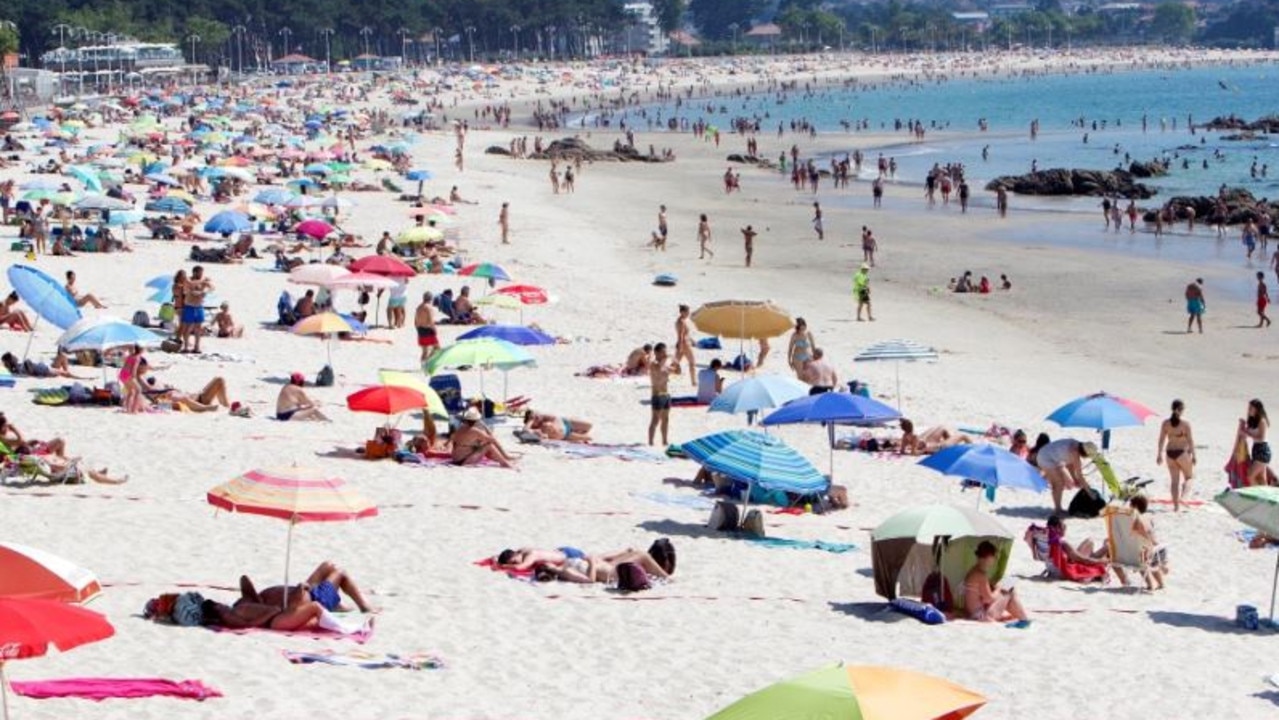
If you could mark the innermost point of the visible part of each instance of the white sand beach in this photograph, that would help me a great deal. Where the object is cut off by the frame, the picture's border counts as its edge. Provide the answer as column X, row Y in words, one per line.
column 737, row 615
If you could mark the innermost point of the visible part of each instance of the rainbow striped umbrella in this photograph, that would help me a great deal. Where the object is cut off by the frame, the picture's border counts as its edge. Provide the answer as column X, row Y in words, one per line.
column 296, row 494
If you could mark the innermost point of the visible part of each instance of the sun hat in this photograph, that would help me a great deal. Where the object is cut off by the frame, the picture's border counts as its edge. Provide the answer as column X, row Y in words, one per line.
column 471, row 415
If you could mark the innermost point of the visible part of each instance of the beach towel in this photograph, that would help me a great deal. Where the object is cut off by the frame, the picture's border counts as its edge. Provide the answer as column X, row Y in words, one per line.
column 622, row 452
column 491, row 564
column 366, row 660
column 360, row 633
column 114, row 688
column 830, row 547
column 1237, row 465
column 1247, row 535
column 693, row 502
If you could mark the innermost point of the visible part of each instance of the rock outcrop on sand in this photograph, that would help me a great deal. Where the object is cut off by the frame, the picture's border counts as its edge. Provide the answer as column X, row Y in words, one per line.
column 1064, row 181
column 1234, row 206
column 573, row 148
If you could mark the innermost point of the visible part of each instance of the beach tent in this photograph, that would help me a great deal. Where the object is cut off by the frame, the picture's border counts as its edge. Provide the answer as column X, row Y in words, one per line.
column 909, row 546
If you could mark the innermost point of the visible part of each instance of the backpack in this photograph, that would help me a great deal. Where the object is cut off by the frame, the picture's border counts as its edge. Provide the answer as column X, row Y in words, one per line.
column 937, row 592
column 632, row 578
column 663, row 552
column 753, row 524
column 1087, row 503
column 142, row 319
column 724, row 516
column 325, row 378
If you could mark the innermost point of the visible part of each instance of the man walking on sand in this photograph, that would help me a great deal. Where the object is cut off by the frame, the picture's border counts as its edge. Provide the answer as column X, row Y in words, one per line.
column 817, row 221
column 424, row 321
column 504, row 222
column 659, row 374
column 684, row 343
column 1263, row 300
column 861, row 290
column 748, row 235
column 1195, row 305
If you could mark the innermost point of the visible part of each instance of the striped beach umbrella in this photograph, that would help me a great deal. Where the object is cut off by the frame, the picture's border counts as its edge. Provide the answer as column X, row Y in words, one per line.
column 757, row 459
column 295, row 494
column 1258, row 508
column 492, row 271
column 896, row 351
column 27, row 572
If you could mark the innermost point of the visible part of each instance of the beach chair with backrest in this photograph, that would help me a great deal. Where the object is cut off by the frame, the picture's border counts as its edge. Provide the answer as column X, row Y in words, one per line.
column 1127, row 548
column 449, row 388
column 1037, row 538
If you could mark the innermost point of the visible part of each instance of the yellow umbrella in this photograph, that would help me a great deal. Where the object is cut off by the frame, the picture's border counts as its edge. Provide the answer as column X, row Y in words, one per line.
column 742, row 319
column 325, row 323
column 182, row 195
column 419, row 234
column 413, row 381
column 378, row 164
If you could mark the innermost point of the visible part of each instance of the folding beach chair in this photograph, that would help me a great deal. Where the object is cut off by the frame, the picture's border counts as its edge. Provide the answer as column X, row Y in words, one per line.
column 1116, row 490
column 449, row 388
column 1127, row 549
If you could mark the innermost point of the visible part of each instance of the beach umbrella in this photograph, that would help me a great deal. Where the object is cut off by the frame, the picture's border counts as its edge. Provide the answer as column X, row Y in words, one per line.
column 415, row 381
column 419, row 234
column 171, row 205
column 896, row 351
column 1103, row 412
column 1258, row 508
column 485, row 270
column 86, row 175
column 352, row 281
column 742, row 319
column 502, row 302
column 527, row 294
column 301, row 202
column 28, row 627
column 481, row 353
column 336, row 202
column 759, row 392
column 26, row 572
column 100, row 202
column 163, row 179
column 990, row 465
column 757, row 459
column 420, row 176
column 228, row 222
column 273, row 196
column 383, row 265
column 909, row 546
column 857, row 692
column 295, row 494
column 317, row 274
column 325, row 323
column 518, row 334
column 46, row 296
column 317, row 229
column 386, row 400
column 831, row 409
column 105, row 332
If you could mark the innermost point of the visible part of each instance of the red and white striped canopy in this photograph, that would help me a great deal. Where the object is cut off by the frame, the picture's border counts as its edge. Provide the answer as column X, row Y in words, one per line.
column 27, row 572
column 297, row 494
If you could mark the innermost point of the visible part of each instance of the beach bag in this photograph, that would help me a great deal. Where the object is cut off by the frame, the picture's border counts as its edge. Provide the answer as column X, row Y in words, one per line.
column 937, row 592
column 724, row 516
column 663, row 552
column 170, row 345
column 1087, row 503
column 709, row 343
column 325, row 377
column 632, row 578
column 753, row 524
column 142, row 319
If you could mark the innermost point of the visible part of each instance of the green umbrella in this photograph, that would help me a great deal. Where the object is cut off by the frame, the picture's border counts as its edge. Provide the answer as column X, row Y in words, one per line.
column 1257, row 507
column 857, row 692
column 913, row 544
column 482, row 353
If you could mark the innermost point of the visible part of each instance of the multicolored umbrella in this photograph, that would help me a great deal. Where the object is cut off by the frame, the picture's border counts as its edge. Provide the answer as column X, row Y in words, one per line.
column 414, row 381
column 325, row 323
column 294, row 494
column 989, row 465
column 485, row 270
column 1258, row 508
column 1101, row 411
column 518, row 334
column 757, row 460
column 26, row 572
column 28, row 627
column 857, row 692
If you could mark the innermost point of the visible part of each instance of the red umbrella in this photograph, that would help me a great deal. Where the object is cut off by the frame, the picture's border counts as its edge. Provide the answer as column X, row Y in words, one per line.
column 383, row 265
column 386, row 400
column 29, row 627
column 528, row 294
column 317, row 229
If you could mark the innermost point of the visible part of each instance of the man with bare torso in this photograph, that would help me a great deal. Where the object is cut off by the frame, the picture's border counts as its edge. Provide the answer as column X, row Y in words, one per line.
column 684, row 343
column 659, row 374
column 424, row 321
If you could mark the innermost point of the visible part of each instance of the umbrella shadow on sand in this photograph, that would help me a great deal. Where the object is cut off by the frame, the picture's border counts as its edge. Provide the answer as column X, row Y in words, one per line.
column 1025, row 512
column 1271, row 695
column 1207, row 623
column 682, row 529
column 879, row 612
column 683, row 483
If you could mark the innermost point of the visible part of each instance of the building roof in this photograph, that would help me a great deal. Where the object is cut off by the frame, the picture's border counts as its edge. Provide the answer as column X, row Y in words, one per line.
column 293, row 59
column 681, row 37
column 764, row 30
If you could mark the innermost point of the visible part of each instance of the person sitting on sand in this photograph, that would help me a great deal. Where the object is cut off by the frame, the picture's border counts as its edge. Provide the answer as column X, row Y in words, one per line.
column 225, row 323
column 550, row 427
column 81, row 299
column 11, row 316
column 1087, row 553
column 53, row 454
column 323, row 586
column 473, row 443
column 294, row 404
column 1019, row 446
column 305, row 307
column 464, row 311
column 210, row 398
column 930, row 441
column 638, row 361
column 985, row 602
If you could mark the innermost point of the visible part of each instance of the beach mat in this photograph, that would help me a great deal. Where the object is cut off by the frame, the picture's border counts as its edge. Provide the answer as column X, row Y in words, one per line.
column 630, row 453
column 99, row 689
column 830, row 547
column 365, row 660
column 692, row 502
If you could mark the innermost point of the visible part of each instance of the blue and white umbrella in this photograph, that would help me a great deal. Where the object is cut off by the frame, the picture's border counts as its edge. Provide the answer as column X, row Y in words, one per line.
column 229, row 222
column 104, row 332
column 989, row 465
column 517, row 334
column 757, row 460
column 896, row 351
column 756, row 393
column 46, row 296
column 831, row 409
column 171, row 205
column 273, row 196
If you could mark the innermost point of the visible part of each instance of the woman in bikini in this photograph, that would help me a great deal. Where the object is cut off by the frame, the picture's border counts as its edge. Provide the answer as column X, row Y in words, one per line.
column 1254, row 427
column 986, row 603
column 801, row 347
column 551, row 427
column 1177, row 444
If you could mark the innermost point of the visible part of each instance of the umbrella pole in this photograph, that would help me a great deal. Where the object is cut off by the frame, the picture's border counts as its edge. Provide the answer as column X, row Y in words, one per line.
column 830, row 435
column 1273, row 587
column 31, row 336
column 897, row 372
column 4, row 691
column 288, row 552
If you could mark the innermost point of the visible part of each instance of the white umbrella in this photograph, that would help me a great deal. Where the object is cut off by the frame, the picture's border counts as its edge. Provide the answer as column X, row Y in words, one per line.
column 317, row 274
column 896, row 351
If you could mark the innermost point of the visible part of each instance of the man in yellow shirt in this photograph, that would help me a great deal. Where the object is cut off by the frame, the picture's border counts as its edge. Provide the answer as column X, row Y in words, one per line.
column 861, row 290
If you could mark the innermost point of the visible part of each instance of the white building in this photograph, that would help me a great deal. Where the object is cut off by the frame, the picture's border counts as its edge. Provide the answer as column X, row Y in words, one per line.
column 643, row 34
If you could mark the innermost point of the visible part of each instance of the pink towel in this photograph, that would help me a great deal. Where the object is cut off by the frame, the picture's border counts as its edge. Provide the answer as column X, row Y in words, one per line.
column 108, row 688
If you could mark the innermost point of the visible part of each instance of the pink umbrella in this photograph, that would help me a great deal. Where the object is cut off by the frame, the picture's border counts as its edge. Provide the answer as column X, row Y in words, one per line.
column 317, row 229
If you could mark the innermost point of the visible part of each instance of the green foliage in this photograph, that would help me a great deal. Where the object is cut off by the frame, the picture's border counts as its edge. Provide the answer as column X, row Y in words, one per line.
column 715, row 18
column 669, row 13
column 8, row 41
column 1173, row 21
column 1247, row 24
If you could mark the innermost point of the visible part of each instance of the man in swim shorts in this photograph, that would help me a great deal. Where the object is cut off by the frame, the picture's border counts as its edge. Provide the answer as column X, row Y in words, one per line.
column 659, row 373
column 1195, row 305
column 424, row 321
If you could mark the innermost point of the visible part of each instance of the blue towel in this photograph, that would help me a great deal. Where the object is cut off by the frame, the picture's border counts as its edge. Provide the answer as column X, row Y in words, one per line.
column 829, row 547
column 694, row 502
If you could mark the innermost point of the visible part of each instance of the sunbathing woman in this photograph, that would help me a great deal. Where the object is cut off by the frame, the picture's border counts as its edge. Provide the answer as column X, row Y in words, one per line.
column 603, row 568
column 473, row 443
column 550, row 427
column 14, row 318
column 210, row 398
column 930, row 441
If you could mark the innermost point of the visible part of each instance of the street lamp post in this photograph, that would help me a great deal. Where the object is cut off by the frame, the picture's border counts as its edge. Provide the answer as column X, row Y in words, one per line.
column 62, row 29
column 287, row 32
column 436, row 33
column 470, row 40
column 193, row 38
column 111, row 38
column 366, row 31
column 239, row 32
column 515, row 36
column 328, row 51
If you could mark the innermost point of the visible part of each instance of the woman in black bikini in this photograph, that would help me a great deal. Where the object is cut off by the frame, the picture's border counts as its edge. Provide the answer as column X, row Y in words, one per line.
column 1255, row 427
column 1178, row 444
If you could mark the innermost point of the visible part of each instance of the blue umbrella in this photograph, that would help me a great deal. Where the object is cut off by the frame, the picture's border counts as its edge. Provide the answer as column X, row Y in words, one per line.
column 987, row 464
column 228, row 222
column 86, row 175
column 274, row 196
column 757, row 393
column 164, row 179
column 109, row 333
column 833, row 408
column 169, row 205
column 46, row 296
column 418, row 175
column 317, row 169
column 1103, row 412
column 757, row 460
column 517, row 334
